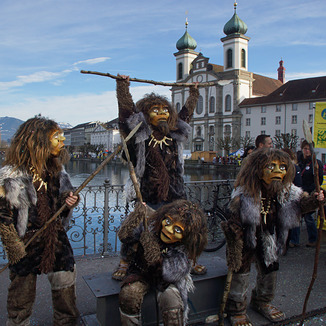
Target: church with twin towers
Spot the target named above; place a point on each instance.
(239, 104)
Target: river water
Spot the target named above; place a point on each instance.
(118, 173)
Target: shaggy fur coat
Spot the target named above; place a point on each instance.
(172, 265)
(21, 205)
(246, 223)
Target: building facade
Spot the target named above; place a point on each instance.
(218, 115)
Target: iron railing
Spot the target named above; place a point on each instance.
(96, 220)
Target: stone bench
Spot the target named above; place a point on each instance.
(205, 300)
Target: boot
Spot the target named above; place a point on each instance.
(237, 299)
(65, 311)
(21, 296)
(265, 288)
(173, 317)
(129, 320)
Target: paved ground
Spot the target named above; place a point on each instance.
(294, 278)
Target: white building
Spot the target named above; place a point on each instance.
(242, 104)
(218, 114)
(284, 110)
(106, 134)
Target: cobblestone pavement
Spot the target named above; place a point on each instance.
(293, 280)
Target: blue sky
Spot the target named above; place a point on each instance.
(45, 43)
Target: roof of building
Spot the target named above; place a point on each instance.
(299, 90)
(261, 85)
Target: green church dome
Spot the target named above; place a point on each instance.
(186, 41)
(235, 25)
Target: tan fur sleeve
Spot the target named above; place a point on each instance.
(14, 246)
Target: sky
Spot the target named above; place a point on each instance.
(46, 43)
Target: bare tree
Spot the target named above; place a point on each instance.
(246, 142)
(286, 141)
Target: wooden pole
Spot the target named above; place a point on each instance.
(308, 137)
(150, 81)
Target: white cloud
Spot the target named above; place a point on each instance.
(92, 61)
(76, 109)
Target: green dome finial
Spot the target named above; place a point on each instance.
(186, 41)
(235, 25)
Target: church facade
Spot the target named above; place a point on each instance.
(218, 115)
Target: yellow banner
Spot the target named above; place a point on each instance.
(320, 125)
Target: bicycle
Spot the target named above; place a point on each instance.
(215, 236)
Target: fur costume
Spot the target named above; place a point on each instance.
(33, 187)
(19, 208)
(264, 206)
(154, 262)
(246, 212)
(159, 168)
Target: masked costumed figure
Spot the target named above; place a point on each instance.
(156, 150)
(264, 206)
(159, 257)
(33, 186)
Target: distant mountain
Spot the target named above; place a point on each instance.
(64, 125)
(8, 127)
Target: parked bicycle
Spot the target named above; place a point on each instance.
(216, 215)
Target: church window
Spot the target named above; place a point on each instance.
(227, 103)
(227, 130)
(178, 106)
(243, 58)
(212, 104)
(200, 105)
(229, 59)
(180, 68)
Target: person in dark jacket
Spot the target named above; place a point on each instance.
(308, 185)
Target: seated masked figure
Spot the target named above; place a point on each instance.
(160, 257)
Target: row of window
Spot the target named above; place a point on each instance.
(200, 104)
(294, 120)
(229, 58)
(277, 133)
(263, 109)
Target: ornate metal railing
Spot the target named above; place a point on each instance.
(96, 220)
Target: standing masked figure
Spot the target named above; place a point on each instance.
(156, 150)
(33, 186)
(160, 258)
(264, 206)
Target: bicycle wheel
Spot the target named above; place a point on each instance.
(215, 235)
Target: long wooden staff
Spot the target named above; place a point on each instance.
(80, 188)
(308, 137)
(155, 82)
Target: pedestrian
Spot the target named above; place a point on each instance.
(263, 141)
(308, 185)
(33, 186)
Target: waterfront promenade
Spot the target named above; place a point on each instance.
(294, 277)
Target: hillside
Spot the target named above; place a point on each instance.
(9, 125)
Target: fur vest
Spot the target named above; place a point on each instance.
(179, 136)
(288, 217)
(20, 193)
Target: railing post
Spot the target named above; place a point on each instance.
(107, 185)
